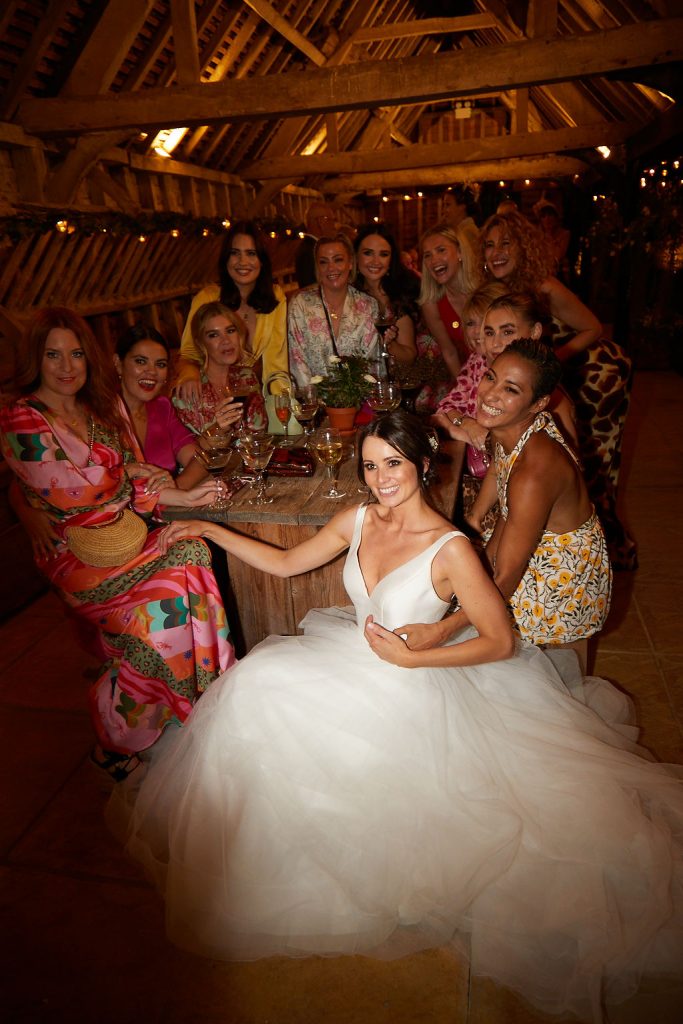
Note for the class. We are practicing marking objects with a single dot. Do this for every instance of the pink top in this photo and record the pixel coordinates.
(166, 435)
(462, 398)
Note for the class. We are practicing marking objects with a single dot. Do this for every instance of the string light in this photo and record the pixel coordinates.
(226, 223)
(527, 181)
(501, 184)
(175, 233)
(142, 238)
(385, 199)
(205, 232)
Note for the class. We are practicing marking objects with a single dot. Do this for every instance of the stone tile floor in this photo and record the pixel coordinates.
(82, 933)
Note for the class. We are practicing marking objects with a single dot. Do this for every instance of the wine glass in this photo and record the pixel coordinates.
(215, 452)
(282, 403)
(328, 447)
(385, 396)
(383, 321)
(256, 450)
(305, 408)
(241, 386)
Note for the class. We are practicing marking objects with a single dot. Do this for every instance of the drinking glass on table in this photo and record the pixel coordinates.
(282, 403)
(241, 387)
(328, 447)
(385, 396)
(215, 451)
(305, 408)
(256, 449)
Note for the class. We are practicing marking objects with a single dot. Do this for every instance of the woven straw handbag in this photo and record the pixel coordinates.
(108, 544)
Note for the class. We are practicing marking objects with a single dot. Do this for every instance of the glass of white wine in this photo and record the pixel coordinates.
(305, 408)
(385, 396)
(328, 447)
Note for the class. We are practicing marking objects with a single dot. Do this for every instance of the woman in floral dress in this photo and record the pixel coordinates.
(331, 318)
(156, 621)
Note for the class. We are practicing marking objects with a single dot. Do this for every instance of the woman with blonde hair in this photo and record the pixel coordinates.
(218, 335)
(450, 273)
(245, 287)
(596, 372)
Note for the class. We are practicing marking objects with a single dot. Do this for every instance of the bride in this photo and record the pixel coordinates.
(337, 792)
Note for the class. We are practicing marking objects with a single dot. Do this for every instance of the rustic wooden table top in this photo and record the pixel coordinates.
(299, 501)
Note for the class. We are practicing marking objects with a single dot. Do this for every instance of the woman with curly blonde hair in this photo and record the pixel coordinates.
(597, 372)
(450, 273)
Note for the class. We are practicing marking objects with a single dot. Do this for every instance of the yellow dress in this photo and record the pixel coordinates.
(564, 594)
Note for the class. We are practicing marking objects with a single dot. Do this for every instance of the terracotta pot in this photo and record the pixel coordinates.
(341, 419)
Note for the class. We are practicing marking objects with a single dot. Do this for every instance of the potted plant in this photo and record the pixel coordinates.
(344, 388)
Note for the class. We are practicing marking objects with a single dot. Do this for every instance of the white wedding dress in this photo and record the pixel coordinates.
(320, 800)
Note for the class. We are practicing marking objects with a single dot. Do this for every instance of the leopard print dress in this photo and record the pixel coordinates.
(598, 379)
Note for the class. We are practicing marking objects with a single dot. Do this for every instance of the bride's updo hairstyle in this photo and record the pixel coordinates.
(411, 439)
(546, 366)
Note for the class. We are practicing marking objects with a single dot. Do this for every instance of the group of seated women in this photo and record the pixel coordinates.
(83, 449)
(407, 773)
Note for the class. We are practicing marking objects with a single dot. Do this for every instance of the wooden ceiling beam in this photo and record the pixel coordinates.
(529, 167)
(541, 19)
(186, 51)
(291, 34)
(446, 75)
(107, 47)
(424, 27)
(490, 147)
(32, 55)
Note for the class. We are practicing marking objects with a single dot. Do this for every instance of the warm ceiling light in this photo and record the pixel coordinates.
(604, 151)
(502, 184)
(165, 141)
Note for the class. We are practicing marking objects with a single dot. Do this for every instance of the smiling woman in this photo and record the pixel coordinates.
(247, 288)
(331, 318)
(141, 361)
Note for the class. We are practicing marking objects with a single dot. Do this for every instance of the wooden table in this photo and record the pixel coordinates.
(267, 604)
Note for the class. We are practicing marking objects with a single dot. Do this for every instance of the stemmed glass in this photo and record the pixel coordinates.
(383, 321)
(328, 447)
(305, 408)
(240, 387)
(215, 451)
(385, 396)
(282, 404)
(256, 450)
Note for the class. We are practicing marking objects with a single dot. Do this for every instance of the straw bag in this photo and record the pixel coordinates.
(108, 544)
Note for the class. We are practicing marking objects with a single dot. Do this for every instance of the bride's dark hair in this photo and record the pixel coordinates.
(411, 439)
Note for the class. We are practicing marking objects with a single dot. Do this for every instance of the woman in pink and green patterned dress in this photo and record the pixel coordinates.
(157, 621)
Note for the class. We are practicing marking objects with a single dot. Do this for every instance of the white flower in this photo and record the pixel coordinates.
(369, 378)
(317, 379)
(334, 359)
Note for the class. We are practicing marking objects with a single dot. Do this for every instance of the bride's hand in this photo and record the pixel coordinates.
(422, 636)
(387, 645)
(181, 529)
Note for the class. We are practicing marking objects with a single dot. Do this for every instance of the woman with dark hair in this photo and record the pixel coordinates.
(331, 318)
(156, 617)
(338, 793)
(395, 290)
(247, 288)
(597, 372)
(141, 360)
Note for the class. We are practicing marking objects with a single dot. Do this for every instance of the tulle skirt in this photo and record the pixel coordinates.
(321, 801)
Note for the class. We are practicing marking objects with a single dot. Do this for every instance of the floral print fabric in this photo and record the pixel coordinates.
(564, 594)
(157, 622)
(310, 343)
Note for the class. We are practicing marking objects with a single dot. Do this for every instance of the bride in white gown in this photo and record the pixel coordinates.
(337, 792)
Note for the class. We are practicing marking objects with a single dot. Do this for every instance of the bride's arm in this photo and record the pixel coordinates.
(329, 541)
(459, 568)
